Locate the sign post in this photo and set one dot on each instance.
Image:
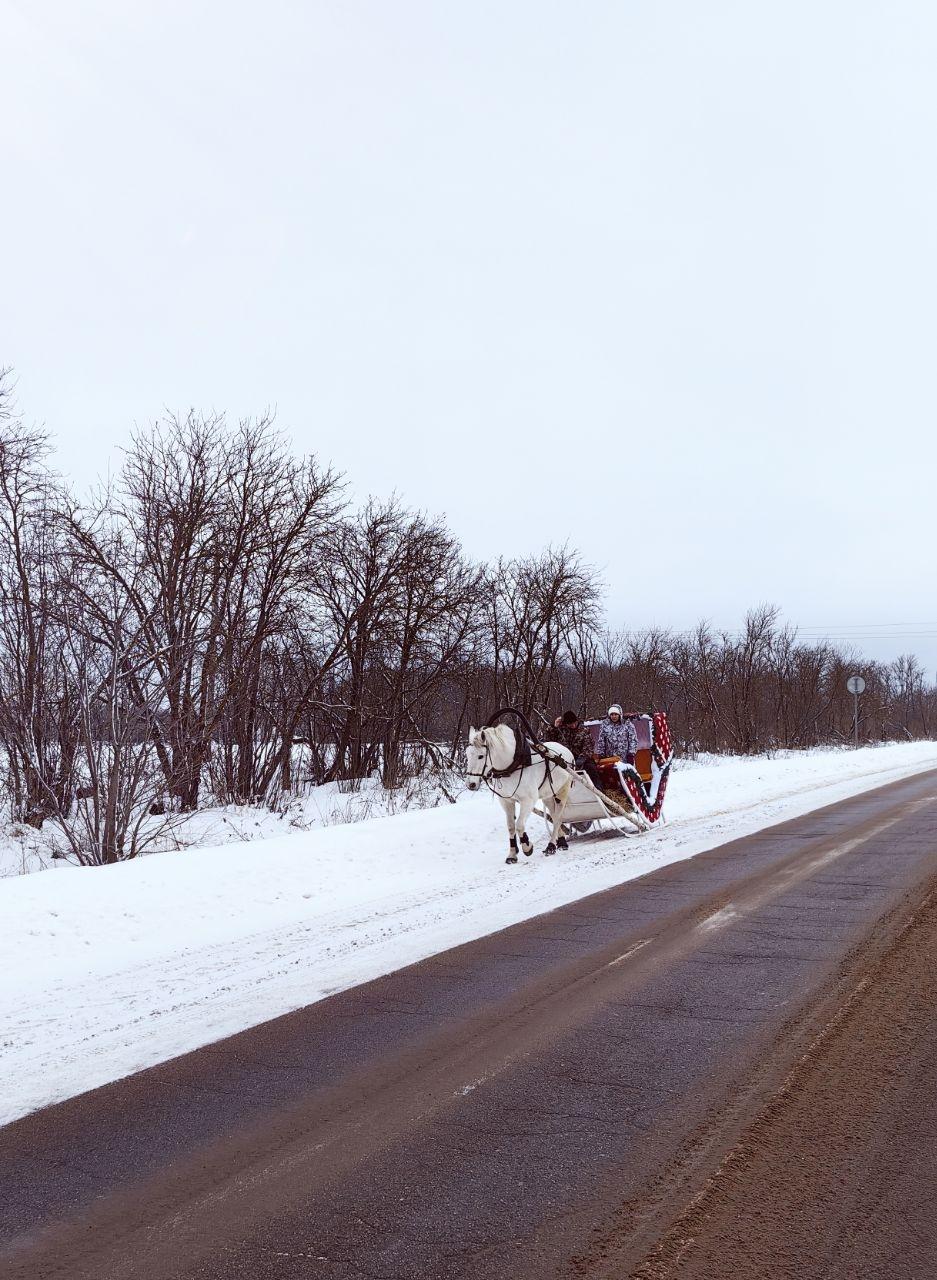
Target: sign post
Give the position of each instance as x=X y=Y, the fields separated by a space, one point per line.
x=855 y=685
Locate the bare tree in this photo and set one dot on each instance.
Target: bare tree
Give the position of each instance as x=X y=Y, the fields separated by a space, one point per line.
x=537 y=607
x=402 y=603
x=114 y=816
x=219 y=531
x=36 y=723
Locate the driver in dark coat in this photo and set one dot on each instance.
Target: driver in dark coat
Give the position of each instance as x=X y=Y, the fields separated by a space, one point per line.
x=572 y=733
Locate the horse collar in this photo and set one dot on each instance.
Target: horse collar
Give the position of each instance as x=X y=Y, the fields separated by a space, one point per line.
x=520 y=761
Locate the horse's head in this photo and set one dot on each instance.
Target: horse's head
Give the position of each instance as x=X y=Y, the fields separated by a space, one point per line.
x=488 y=748
x=476 y=758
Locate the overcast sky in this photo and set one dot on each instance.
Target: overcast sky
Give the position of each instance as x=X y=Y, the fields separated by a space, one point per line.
x=656 y=278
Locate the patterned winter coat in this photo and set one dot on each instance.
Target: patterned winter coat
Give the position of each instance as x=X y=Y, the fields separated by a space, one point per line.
x=617 y=739
x=575 y=736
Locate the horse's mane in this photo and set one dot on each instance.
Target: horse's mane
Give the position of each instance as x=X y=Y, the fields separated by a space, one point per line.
x=495 y=735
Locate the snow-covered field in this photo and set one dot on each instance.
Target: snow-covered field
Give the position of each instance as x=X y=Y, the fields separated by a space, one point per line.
x=109 y=970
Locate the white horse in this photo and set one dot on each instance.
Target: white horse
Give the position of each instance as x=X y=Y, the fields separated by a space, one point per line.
x=488 y=759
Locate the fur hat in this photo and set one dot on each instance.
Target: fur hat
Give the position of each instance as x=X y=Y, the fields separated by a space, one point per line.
x=570 y=717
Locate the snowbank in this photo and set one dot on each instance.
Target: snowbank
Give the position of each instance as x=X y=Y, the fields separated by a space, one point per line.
x=109 y=970
x=23 y=850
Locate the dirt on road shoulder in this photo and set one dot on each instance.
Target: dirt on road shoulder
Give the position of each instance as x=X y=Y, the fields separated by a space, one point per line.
x=837 y=1176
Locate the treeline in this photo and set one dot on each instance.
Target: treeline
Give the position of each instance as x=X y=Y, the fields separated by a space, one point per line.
x=220 y=625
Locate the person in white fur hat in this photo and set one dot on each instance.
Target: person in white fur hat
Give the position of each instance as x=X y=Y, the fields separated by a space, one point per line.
x=617 y=736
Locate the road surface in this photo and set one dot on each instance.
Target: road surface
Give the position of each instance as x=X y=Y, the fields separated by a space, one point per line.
x=725 y=1068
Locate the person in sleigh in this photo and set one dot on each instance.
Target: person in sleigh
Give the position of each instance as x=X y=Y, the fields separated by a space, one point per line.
x=617 y=736
x=572 y=733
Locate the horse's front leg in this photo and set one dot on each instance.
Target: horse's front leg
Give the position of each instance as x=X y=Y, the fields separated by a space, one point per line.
x=508 y=807
x=526 y=808
x=557 y=839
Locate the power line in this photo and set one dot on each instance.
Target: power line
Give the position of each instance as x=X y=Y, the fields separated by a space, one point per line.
x=928 y=631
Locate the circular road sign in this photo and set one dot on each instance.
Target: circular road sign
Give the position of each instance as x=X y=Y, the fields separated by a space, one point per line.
x=855 y=684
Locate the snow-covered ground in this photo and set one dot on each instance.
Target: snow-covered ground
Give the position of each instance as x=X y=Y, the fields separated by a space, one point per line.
x=108 y=970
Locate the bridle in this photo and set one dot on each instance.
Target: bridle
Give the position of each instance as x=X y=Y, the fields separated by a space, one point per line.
x=486 y=774
x=483 y=773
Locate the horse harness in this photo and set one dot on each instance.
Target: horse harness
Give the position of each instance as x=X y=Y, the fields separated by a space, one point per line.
x=523 y=759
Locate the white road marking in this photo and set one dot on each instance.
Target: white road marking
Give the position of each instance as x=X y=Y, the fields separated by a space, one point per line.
x=719 y=918
x=786 y=879
x=468 y=1088
x=626 y=955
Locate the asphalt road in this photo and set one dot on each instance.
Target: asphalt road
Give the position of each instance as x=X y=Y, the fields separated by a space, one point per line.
x=723 y=1068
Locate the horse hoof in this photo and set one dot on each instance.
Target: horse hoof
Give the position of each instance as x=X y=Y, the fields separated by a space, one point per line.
x=562 y=843
x=512 y=857
x=528 y=850
x=551 y=848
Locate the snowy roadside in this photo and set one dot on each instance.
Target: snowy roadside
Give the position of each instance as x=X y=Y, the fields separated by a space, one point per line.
x=110 y=970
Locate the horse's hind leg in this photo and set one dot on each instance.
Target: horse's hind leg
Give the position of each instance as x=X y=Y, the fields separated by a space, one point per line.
x=508 y=807
x=557 y=839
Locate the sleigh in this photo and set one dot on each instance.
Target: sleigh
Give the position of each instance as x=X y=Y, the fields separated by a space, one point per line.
x=630 y=792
